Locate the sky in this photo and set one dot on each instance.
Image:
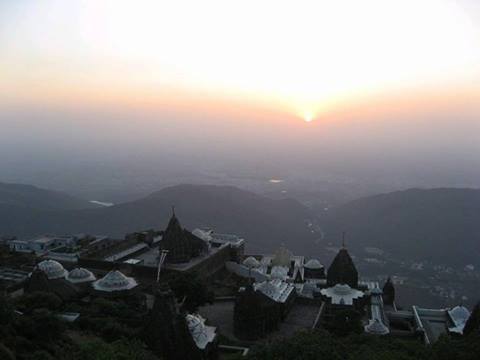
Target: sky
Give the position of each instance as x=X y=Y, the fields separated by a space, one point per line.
x=304 y=57
x=301 y=78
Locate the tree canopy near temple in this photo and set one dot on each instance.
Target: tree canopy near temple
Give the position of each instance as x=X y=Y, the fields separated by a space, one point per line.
x=318 y=345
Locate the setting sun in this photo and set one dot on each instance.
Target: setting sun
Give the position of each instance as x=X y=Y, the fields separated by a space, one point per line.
x=308 y=116
x=353 y=48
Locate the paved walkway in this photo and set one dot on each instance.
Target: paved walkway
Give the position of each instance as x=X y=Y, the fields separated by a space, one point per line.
x=220 y=314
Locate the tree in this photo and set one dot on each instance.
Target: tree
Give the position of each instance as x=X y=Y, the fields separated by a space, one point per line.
x=346 y=322
x=5 y=353
x=192 y=289
x=473 y=322
x=39 y=300
x=122 y=349
x=6 y=309
x=319 y=345
x=113 y=330
x=461 y=348
x=47 y=326
x=41 y=355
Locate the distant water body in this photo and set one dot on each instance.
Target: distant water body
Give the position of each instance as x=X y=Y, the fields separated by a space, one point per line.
x=101 y=203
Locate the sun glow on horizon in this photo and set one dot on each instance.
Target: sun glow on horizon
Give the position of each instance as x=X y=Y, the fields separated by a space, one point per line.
x=289 y=53
x=308 y=116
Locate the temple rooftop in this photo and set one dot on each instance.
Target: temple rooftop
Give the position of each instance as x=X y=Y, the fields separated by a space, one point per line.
x=80 y=275
x=53 y=269
x=201 y=333
x=342 y=294
x=115 y=281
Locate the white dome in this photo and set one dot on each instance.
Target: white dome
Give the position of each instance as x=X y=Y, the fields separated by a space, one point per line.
x=342 y=289
x=201 y=334
x=80 y=275
x=115 y=281
x=53 y=269
x=251 y=262
x=282 y=257
x=313 y=264
x=279 y=272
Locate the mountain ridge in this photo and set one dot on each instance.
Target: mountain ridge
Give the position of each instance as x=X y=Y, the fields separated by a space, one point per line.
x=441 y=224
x=38 y=198
x=265 y=223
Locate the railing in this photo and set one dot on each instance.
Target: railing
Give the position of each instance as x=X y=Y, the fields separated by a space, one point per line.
x=234 y=349
x=318 y=317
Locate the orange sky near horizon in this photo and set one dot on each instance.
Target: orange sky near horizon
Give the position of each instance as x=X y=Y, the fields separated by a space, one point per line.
x=271 y=62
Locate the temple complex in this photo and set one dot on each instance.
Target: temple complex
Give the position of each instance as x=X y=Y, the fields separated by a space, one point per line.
x=283 y=278
x=257 y=296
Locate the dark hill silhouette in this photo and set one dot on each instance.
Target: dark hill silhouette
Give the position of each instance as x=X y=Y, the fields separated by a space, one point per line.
x=442 y=225
x=33 y=197
x=264 y=222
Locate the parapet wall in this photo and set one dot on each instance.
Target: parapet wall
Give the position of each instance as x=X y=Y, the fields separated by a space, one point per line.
x=213 y=263
x=205 y=268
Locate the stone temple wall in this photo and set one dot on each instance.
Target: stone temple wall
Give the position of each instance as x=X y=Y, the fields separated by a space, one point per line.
x=213 y=263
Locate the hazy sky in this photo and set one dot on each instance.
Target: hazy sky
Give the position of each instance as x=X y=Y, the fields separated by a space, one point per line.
x=304 y=56
x=242 y=76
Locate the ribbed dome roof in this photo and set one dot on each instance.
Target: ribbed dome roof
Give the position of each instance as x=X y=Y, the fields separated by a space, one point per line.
x=80 y=275
x=115 y=281
x=313 y=264
x=196 y=324
x=459 y=315
x=342 y=289
x=201 y=334
x=53 y=269
x=251 y=262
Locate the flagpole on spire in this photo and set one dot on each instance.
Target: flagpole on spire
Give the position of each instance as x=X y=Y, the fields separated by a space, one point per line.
x=161 y=260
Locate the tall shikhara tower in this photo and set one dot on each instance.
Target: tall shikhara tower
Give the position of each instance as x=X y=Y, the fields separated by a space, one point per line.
x=181 y=244
x=342 y=270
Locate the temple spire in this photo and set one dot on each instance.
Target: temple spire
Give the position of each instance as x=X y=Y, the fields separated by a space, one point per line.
x=342 y=270
x=343 y=239
x=173 y=210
